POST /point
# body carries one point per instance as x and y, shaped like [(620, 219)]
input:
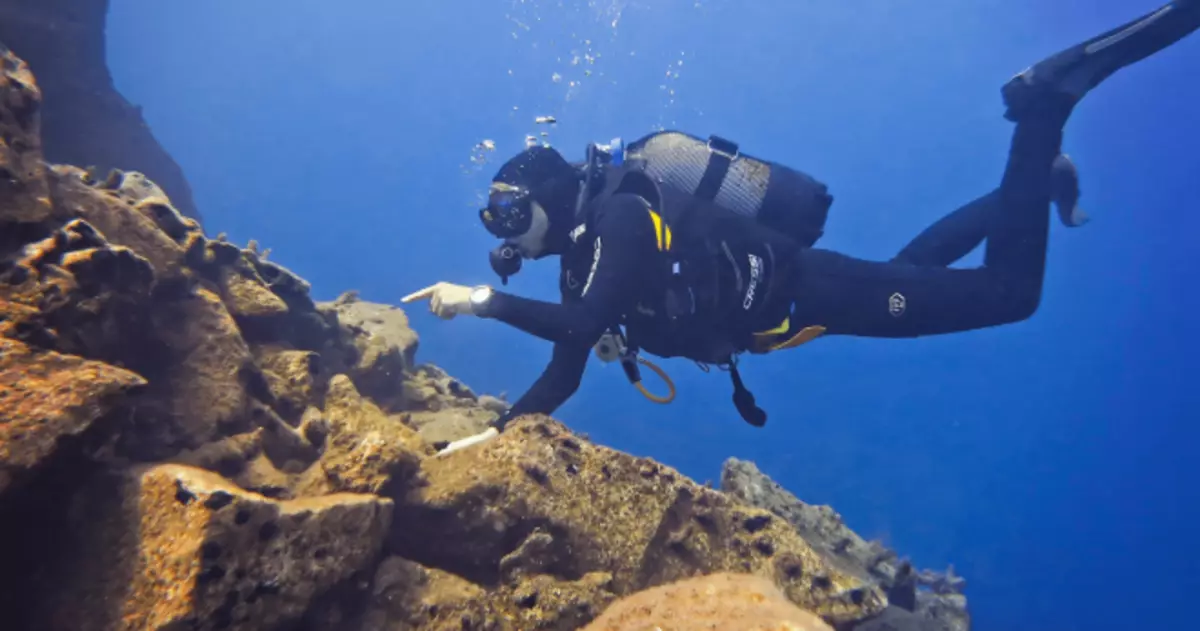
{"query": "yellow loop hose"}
[(661, 375)]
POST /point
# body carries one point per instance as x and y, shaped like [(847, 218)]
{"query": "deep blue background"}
[(1050, 461)]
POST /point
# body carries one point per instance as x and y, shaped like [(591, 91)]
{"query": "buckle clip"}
[(725, 148)]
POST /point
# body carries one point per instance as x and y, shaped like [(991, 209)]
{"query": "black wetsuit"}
[(914, 294)]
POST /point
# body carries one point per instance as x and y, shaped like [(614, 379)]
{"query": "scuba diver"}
[(686, 247)]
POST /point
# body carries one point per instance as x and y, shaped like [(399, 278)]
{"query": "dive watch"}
[(480, 297)]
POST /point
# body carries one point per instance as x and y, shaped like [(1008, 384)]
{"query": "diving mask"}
[(509, 212)]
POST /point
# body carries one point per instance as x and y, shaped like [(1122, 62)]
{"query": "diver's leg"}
[(955, 235), (1076, 70), (856, 297), (851, 296)]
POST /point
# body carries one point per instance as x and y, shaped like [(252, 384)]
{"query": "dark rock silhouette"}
[(85, 120)]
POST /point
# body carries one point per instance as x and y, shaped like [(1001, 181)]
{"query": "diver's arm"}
[(625, 240), (558, 382)]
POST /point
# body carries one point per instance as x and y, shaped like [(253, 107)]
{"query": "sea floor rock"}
[(932, 600), (717, 601), (46, 396), (168, 546), (540, 500), (366, 451)]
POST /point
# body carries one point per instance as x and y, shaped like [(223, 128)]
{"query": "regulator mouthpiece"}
[(506, 261)]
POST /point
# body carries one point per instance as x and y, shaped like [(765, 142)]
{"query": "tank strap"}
[(721, 153)]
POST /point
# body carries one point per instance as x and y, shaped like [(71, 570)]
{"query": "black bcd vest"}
[(728, 226)]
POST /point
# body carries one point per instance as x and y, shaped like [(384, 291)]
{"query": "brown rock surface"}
[(170, 545), (45, 396), (366, 451), (539, 500), (719, 601), (386, 346)]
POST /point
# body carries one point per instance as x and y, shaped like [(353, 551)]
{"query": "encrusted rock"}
[(24, 197), (172, 547), (450, 424), (822, 527), (604, 511), (430, 388), (247, 296), (75, 293), (45, 396), (386, 346), (121, 220), (292, 377), (366, 451), (720, 601), (407, 595), (200, 390)]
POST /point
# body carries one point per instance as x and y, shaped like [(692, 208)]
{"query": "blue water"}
[(1049, 461)]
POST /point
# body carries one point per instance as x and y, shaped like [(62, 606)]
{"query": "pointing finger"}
[(419, 295)]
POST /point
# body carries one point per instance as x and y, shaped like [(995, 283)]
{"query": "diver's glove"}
[(447, 300)]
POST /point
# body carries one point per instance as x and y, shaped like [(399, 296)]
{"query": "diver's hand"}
[(446, 300)]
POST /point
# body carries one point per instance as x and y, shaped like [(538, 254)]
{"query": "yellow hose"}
[(662, 375)]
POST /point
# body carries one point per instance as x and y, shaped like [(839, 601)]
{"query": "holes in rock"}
[(572, 469), (756, 523), (314, 364), (457, 389), (764, 546), (242, 517), (605, 472), (210, 550), (528, 601), (210, 574), (571, 443), (821, 582), (706, 521), (858, 596), (320, 554), (218, 500), (790, 567), (536, 473), (182, 494), (267, 531)]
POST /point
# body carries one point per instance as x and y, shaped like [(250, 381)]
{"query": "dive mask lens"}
[(508, 213)]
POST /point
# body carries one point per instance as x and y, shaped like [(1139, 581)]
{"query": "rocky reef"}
[(189, 441), (85, 120)]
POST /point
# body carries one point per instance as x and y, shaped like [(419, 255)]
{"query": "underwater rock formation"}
[(85, 119), (188, 440), (919, 601), (716, 601)]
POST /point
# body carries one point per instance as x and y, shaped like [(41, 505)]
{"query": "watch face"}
[(480, 295)]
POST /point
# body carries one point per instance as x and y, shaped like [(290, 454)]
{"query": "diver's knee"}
[(1021, 305)]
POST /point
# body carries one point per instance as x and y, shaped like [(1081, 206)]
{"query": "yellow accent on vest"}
[(807, 334), (662, 232)]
